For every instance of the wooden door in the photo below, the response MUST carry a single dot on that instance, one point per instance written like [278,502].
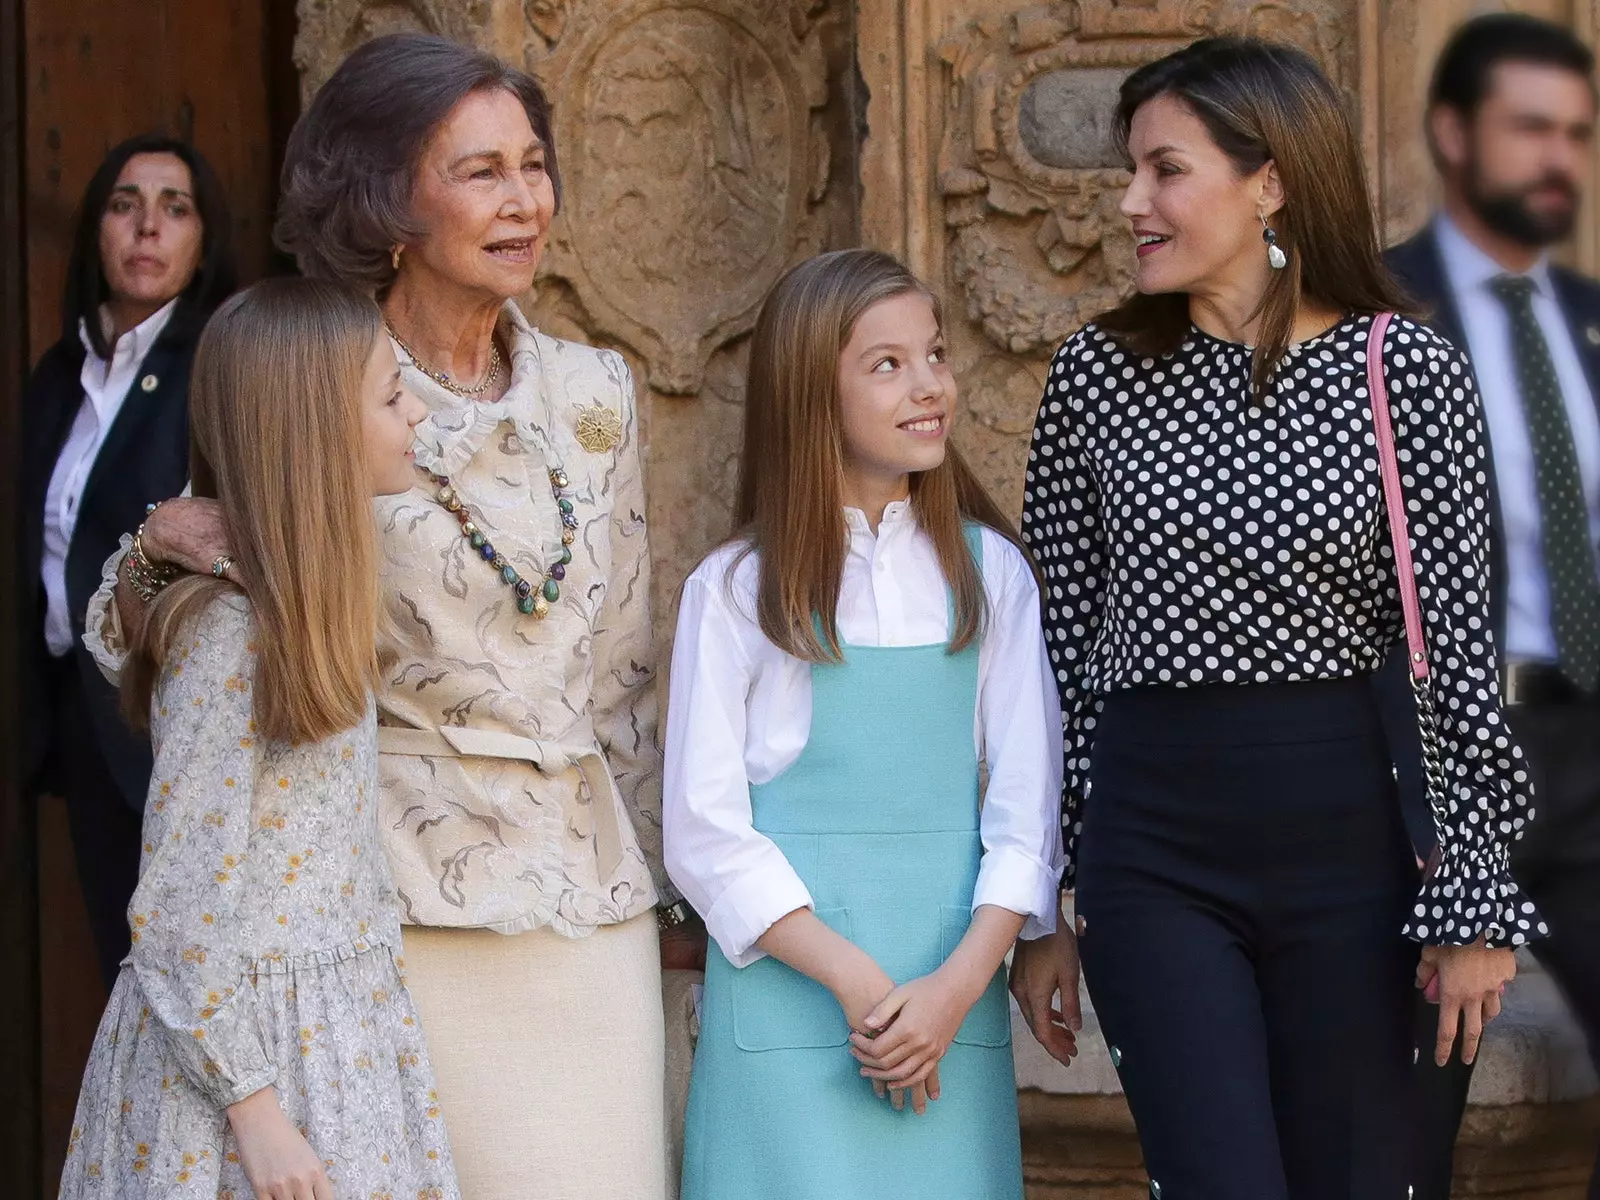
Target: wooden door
[93,73]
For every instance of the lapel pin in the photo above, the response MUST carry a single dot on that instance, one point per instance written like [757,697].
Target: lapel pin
[149,382]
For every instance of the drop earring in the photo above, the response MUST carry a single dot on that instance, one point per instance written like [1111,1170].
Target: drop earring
[1276,258]
[394,259]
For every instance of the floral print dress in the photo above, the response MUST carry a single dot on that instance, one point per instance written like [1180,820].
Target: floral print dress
[265,933]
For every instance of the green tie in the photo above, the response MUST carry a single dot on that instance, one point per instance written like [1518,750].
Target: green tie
[1569,558]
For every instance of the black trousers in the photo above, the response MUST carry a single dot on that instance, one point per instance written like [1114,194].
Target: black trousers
[1558,864]
[1243,878]
[106,832]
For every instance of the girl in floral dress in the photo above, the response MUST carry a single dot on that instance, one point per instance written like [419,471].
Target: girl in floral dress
[260,1040]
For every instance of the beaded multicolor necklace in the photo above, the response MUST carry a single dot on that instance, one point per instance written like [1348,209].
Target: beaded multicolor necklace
[533,598]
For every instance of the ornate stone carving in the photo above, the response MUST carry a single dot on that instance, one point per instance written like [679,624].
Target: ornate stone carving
[1030,179]
[693,158]
[331,29]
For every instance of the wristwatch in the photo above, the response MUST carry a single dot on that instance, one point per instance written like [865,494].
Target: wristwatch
[670,916]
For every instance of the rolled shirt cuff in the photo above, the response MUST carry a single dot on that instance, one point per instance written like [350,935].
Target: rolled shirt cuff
[1017,882]
[751,905]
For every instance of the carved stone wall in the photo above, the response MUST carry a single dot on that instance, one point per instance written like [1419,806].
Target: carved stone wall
[1017,176]
[988,164]
[706,146]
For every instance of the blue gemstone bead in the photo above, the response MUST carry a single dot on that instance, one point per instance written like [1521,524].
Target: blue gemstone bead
[525,604]
[570,521]
[487,551]
[552,590]
[558,572]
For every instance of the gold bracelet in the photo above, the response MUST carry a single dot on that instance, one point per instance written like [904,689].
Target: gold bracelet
[146,576]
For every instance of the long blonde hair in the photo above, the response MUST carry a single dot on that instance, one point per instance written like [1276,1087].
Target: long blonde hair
[791,476]
[276,437]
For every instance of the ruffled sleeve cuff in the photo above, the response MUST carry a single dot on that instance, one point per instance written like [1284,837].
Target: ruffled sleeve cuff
[1472,895]
[102,624]
[750,906]
[1016,882]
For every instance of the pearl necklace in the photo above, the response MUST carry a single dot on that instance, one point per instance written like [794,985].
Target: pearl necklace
[533,598]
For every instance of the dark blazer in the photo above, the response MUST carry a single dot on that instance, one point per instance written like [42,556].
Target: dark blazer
[144,458]
[1419,267]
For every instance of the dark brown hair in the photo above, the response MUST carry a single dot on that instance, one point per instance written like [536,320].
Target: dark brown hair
[352,158]
[213,279]
[1465,69]
[1264,103]
[791,476]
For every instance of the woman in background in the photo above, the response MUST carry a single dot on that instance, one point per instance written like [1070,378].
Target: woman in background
[105,433]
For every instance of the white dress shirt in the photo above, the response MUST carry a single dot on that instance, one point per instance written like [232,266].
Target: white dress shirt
[740,714]
[1488,330]
[105,386]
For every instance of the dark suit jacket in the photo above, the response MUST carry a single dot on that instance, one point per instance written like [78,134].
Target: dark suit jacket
[144,458]
[1418,266]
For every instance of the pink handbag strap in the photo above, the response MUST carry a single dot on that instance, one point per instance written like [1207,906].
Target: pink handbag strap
[1394,498]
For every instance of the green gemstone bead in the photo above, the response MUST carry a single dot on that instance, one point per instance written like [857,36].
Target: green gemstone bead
[525,605]
[552,590]
[508,573]
[566,555]
[564,505]
[477,539]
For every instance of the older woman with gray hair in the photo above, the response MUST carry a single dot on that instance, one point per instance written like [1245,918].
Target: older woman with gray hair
[520,776]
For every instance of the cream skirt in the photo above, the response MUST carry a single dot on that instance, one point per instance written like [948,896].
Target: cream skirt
[548,1053]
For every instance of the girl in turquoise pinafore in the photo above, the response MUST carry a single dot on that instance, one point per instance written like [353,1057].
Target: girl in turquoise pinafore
[841,669]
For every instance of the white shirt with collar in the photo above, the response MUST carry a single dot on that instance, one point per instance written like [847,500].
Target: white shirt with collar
[105,387]
[1469,271]
[740,714]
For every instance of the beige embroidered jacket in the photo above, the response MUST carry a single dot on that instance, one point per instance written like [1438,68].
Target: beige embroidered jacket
[476,833]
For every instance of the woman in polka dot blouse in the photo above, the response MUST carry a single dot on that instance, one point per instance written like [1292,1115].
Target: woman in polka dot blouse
[1203,496]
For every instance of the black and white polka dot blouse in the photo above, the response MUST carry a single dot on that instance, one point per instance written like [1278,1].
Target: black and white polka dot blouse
[1190,536]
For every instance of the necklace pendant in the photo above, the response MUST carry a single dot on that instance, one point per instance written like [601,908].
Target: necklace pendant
[599,429]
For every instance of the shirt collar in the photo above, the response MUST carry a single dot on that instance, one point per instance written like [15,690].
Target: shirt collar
[897,512]
[1470,268]
[135,344]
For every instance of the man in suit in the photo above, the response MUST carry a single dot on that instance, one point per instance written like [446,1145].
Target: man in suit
[1510,123]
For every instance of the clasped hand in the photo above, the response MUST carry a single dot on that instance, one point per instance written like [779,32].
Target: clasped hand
[900,1042]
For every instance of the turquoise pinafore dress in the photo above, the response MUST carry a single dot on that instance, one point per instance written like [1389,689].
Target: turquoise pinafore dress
[879,816]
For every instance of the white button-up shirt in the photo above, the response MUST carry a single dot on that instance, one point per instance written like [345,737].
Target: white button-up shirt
[1488,330]
[740,714]
[105,387]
